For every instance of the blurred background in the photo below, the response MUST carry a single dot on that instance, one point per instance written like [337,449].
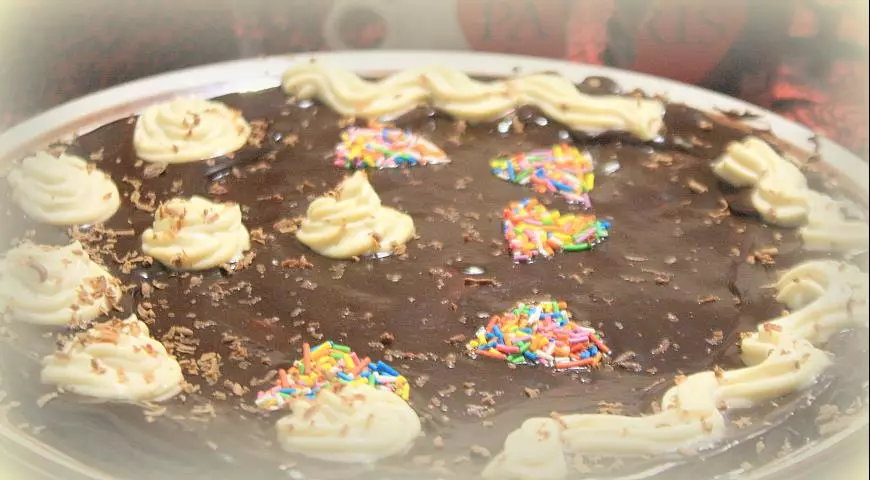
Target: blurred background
[805,59]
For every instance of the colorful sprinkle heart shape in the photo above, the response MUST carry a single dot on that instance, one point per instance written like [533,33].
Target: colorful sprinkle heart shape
[539,333]
[531,229]
[329,365]
[385,148]
[561,169]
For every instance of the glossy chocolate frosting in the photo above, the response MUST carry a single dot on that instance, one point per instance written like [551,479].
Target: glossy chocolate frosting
[679,278]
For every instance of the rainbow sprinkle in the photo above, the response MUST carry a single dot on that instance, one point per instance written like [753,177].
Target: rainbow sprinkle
[539,333]
[530,229]
[385,148]
[326,365]
[562,170]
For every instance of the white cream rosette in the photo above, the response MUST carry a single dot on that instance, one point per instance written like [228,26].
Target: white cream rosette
[358,424]
[351,222]
[117,361]
[187,130]
[453,92]
[781,358]
[781,197]
[49,285]
[531,452]
[828,227]
[824,297]
[196,234]
[65,190]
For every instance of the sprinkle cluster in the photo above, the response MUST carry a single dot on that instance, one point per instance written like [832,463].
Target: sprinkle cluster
[562,170]
[327,365]
[530,229]
[385,148]
[539,333]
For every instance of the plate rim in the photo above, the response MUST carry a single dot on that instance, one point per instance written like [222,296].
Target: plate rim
[84,113]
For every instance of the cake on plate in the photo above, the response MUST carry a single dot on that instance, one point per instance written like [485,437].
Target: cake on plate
[431,274]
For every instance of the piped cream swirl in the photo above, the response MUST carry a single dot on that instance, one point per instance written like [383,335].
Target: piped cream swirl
[532,452]
[453,92]
[115,360]
[196,234]
[187,130]
[829,228]
[65,190]
[781,196]
[351,222]
[825,297]
[780,356]
[745,163]
[358,424]
[49,285]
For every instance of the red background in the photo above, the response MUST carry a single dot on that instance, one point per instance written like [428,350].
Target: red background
[806,59]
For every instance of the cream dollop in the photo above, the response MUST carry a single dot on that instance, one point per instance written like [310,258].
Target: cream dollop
[351,222]
[358,424]
[65,190]
[457,94]
[828,227]
[532,452]
[780,356]
[196,234]
[49,285]
[781,196]
[745,163]
[187,130]
[115,360]
[825,297]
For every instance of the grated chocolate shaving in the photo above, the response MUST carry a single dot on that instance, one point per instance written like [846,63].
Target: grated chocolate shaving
[301,262]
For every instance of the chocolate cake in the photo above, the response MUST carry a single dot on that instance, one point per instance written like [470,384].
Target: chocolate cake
[685,270]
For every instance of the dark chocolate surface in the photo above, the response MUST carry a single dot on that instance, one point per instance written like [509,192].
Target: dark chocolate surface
[671,285]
